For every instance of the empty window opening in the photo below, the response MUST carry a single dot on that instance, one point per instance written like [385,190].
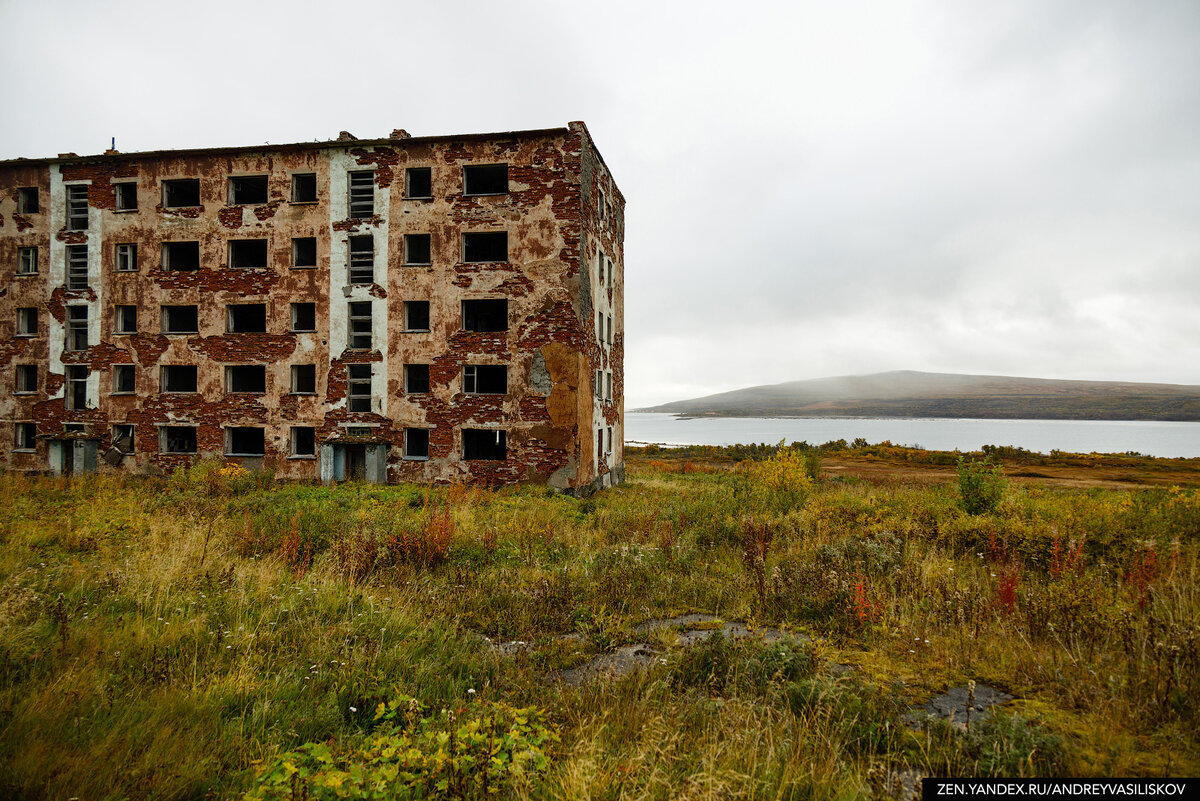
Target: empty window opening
[25,436]
[603,211]
[599,445]
[599,326]
[485,379]
[485,247]
[416,315]
[249,254]
[122,437]
[248,190]
[177,439]
[245,441]
[76,389]
[180,319]
[123,379]
[304,317]
[77,266]
[27,200]
[304,441]
[362,193]
[74,428]
[485,179]
[27,321]
[610,329]
[418,183]
[484,443]
[608,385]
[485,315]
[248,318]
[181,255]
[304,251]
[304,379]
[416,379]
[416,443]
[358,393]
[598,385]
[304,187]
[77,328]
[181,192]
[77,207]
[27,261]
[125,196]
[27,379]
[125,321]
[360,325]
[127,257]
[417,249]
[177,378]
[246,378]
[362,259]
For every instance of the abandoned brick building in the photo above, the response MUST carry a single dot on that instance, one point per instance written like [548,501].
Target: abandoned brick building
[434,309]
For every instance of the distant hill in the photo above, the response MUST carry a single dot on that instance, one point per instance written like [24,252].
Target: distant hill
[913,394]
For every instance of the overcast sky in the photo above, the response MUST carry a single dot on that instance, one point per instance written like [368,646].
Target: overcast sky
[813,188]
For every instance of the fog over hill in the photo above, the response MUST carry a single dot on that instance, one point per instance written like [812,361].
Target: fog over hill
[907,393]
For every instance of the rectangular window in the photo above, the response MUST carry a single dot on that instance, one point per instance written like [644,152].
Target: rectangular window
[304,187]
[77,328]
[610,329]
[27,261]
[180,319]
[360,325]
[77,266]
[416,249]
[27,200]
[485,379]
[127,258]
[304,379]
[27,379]
[416,379]
[248,190]
[181,193]
[245,441]
[181,255]
[76,388]
[485,179]
[177,439]
[248,254]
[177,378]
[599,326]
[598,385]
[304,251]
[125,196]
[602,203]
[362,259]
[484,444]
[358,393]
[77,207]
[485,246]
[27,321]
[418,183]
[304,317]
[25,436]
[246,318]
[608,385]
[487,314]
[125,320]
[246,378]
[122,438]
[599,445]
[123,379]
[304,441]
[416,315]
[416,443]
[362,194]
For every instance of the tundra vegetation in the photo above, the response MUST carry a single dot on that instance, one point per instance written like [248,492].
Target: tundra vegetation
[218,634]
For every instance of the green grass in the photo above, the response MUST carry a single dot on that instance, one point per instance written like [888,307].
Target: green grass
[172,639]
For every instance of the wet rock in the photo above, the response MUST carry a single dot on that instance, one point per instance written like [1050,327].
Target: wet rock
[617,662]
[952,705]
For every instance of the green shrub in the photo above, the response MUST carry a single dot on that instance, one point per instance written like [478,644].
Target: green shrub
[980,485]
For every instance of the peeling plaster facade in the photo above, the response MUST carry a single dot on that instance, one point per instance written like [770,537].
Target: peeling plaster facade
[97,338]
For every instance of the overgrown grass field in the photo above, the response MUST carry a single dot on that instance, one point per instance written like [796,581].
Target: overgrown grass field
[216,635]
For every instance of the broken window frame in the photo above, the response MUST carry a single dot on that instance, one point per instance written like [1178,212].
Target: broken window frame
[176,256]
[121,432]
[76,328]
[475,241]
[610,329]
[416,444]
[177,190]
[167,312]
[77,207]
[598,385]
[360,185]
[243,189]
[304,252]
[416,316]
[124,379]
[482,180]
[27,261]
[360,323]
[77,266]
[126,257]
[304,379]
[236,315]
[477,311]
[426,181]
[361,260]
[28,201]
[416,379]
[125,196]
[244,254]
[124,319]
[25,437]
[25,379]
[304,318]
[423,247]
[358,388]
[172,375]
[302,436]
[608,385]
[252,379]
[483,444]
[300,187]
[486,376]
[27,322]
[75,387]
[178,439]
[255,433]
